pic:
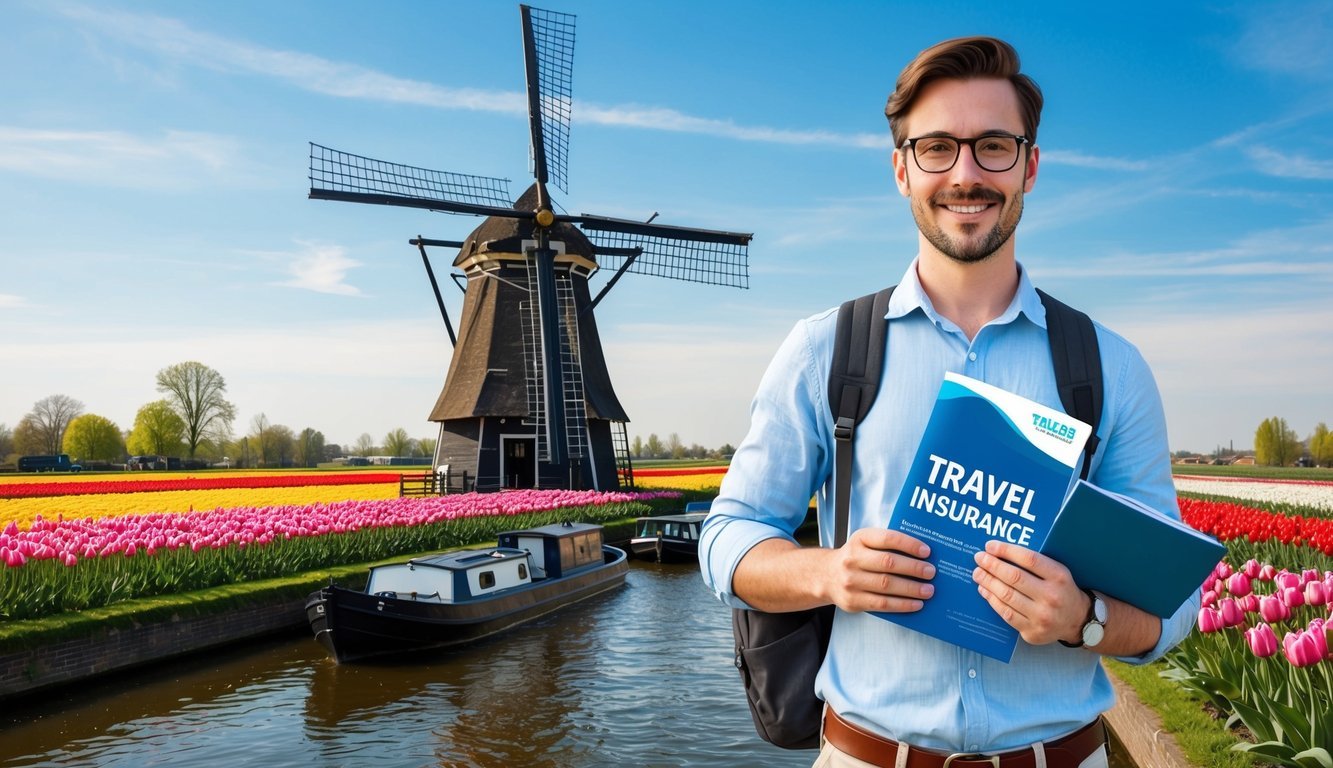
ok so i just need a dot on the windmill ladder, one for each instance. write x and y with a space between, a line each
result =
532 358
576 413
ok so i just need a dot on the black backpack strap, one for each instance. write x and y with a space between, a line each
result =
853 382
1078 367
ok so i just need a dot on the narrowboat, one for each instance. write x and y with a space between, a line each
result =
670 538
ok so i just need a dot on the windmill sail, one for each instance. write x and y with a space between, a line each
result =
548 52
527 400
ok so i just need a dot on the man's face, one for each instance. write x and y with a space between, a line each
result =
966 213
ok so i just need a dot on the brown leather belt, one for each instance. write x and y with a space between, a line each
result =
1065 752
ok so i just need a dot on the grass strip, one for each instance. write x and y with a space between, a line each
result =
1205 740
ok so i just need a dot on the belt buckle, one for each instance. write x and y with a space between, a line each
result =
994 760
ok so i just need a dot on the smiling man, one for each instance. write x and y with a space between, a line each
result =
964 123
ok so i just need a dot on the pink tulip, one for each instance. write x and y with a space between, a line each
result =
1300 649
1315 593
1238 584
1232 615
1272 609
12 529
1252 568
1262 640
70 560
1317 629
1210 620
1249 603
1311 574
1222 569
1267 573
1294 597
1286 580
1210 598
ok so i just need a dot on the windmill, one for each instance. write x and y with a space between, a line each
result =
528 401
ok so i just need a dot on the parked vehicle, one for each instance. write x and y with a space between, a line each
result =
60 463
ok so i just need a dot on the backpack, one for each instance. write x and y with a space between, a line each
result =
779 654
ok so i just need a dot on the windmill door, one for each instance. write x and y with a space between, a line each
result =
519 465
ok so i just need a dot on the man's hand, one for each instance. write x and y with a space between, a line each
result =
1031 592
880 570
876 570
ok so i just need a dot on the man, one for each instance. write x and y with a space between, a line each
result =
964 124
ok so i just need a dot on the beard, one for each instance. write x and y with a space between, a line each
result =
974 245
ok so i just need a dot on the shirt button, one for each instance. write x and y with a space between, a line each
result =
972 673
972 356
974 747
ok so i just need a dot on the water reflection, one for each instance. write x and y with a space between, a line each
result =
639 676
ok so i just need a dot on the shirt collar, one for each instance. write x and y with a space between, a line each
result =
909 296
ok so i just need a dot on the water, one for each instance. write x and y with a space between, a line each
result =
641 676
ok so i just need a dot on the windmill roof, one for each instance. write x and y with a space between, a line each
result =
505 235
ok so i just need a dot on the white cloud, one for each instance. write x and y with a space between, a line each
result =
1287 165
186 46
323 269
1080 160
115 158
10 301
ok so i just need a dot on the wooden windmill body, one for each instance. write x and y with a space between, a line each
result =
528 401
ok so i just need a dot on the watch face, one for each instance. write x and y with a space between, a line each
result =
1099 608
1093 633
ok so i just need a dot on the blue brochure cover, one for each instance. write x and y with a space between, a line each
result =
991 465
1125 549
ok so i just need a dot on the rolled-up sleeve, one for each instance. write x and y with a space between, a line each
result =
1136 461
777 468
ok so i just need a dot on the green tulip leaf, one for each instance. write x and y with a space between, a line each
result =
1315 757
1259 724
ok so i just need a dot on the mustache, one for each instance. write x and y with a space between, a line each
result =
971 196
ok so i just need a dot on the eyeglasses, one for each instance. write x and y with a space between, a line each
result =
994 152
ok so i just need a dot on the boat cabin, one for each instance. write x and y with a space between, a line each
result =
558 549
522 557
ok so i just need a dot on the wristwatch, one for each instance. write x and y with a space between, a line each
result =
1094 629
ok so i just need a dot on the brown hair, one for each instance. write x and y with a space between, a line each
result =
961 59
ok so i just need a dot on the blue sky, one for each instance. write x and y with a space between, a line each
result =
153 180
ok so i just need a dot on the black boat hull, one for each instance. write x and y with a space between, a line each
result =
665 550
355 625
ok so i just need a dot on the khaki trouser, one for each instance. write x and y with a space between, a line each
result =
832 757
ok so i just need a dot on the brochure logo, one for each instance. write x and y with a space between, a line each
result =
1048 426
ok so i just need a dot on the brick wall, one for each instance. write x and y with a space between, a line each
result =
117 649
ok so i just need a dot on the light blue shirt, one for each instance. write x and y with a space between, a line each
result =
894 681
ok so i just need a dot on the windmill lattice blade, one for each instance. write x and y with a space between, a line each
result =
332 170
713 261
553 44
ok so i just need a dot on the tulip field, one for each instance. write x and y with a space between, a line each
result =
122 538
1260 654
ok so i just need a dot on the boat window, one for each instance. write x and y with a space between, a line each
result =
486 579
522 571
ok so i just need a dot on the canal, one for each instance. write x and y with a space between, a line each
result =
641 676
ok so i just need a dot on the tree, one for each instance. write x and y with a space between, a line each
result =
636 448
93 438
282 441
158 431
653 448
365 446
196 392
427 446
675 447
47 422
259 429
332 451
309 448
1275 443
1320 445
6 443
397 443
